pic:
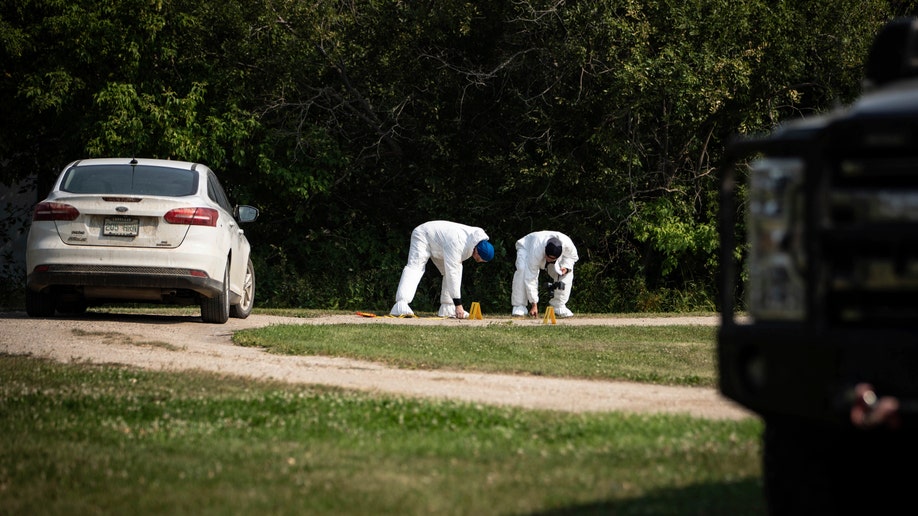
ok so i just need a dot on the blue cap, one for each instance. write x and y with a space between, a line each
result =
485 250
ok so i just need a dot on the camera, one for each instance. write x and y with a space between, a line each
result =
551 286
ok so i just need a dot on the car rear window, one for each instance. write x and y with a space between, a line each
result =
125 179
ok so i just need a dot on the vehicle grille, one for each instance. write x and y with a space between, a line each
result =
868 231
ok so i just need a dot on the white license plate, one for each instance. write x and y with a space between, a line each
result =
121 226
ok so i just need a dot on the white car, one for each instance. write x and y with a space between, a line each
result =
118 230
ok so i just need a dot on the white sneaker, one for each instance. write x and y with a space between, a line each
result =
562 311
401 308
520 311
447 310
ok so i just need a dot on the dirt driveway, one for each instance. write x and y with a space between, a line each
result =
167 342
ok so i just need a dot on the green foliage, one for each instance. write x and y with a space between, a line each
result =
674 235
348 124
166 125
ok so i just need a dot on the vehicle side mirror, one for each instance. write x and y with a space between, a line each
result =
246 213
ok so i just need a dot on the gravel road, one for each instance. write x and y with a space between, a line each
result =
178 342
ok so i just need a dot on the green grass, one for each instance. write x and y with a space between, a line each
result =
673 355
104 439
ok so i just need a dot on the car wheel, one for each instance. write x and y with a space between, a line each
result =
40 304
216 309
244 308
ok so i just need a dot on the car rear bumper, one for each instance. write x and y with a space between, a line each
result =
127 277
124 272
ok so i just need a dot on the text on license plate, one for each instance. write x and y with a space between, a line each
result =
121 226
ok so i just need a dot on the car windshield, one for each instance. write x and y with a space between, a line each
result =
127 179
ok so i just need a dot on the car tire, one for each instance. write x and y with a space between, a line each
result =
247 301
40 304
216 309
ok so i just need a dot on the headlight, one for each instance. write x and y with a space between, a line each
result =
775 227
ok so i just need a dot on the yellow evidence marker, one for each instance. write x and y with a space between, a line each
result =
475 311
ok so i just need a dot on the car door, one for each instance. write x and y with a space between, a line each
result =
239 245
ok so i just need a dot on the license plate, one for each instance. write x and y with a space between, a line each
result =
121 226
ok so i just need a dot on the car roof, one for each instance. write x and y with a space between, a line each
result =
168 163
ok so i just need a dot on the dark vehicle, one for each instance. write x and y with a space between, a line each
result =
832 294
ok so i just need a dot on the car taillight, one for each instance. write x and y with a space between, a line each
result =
192 216
54 211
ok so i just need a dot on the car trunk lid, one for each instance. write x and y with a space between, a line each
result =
122 221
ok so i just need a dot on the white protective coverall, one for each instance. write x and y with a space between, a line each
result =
530 260
447 244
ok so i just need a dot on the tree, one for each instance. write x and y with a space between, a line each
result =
349 123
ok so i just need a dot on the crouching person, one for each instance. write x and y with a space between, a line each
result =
553 252
447 244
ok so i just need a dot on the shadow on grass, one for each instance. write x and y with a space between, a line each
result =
740 498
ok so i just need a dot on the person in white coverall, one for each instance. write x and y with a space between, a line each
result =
553 252
447 244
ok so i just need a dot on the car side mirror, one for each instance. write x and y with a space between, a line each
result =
246 213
